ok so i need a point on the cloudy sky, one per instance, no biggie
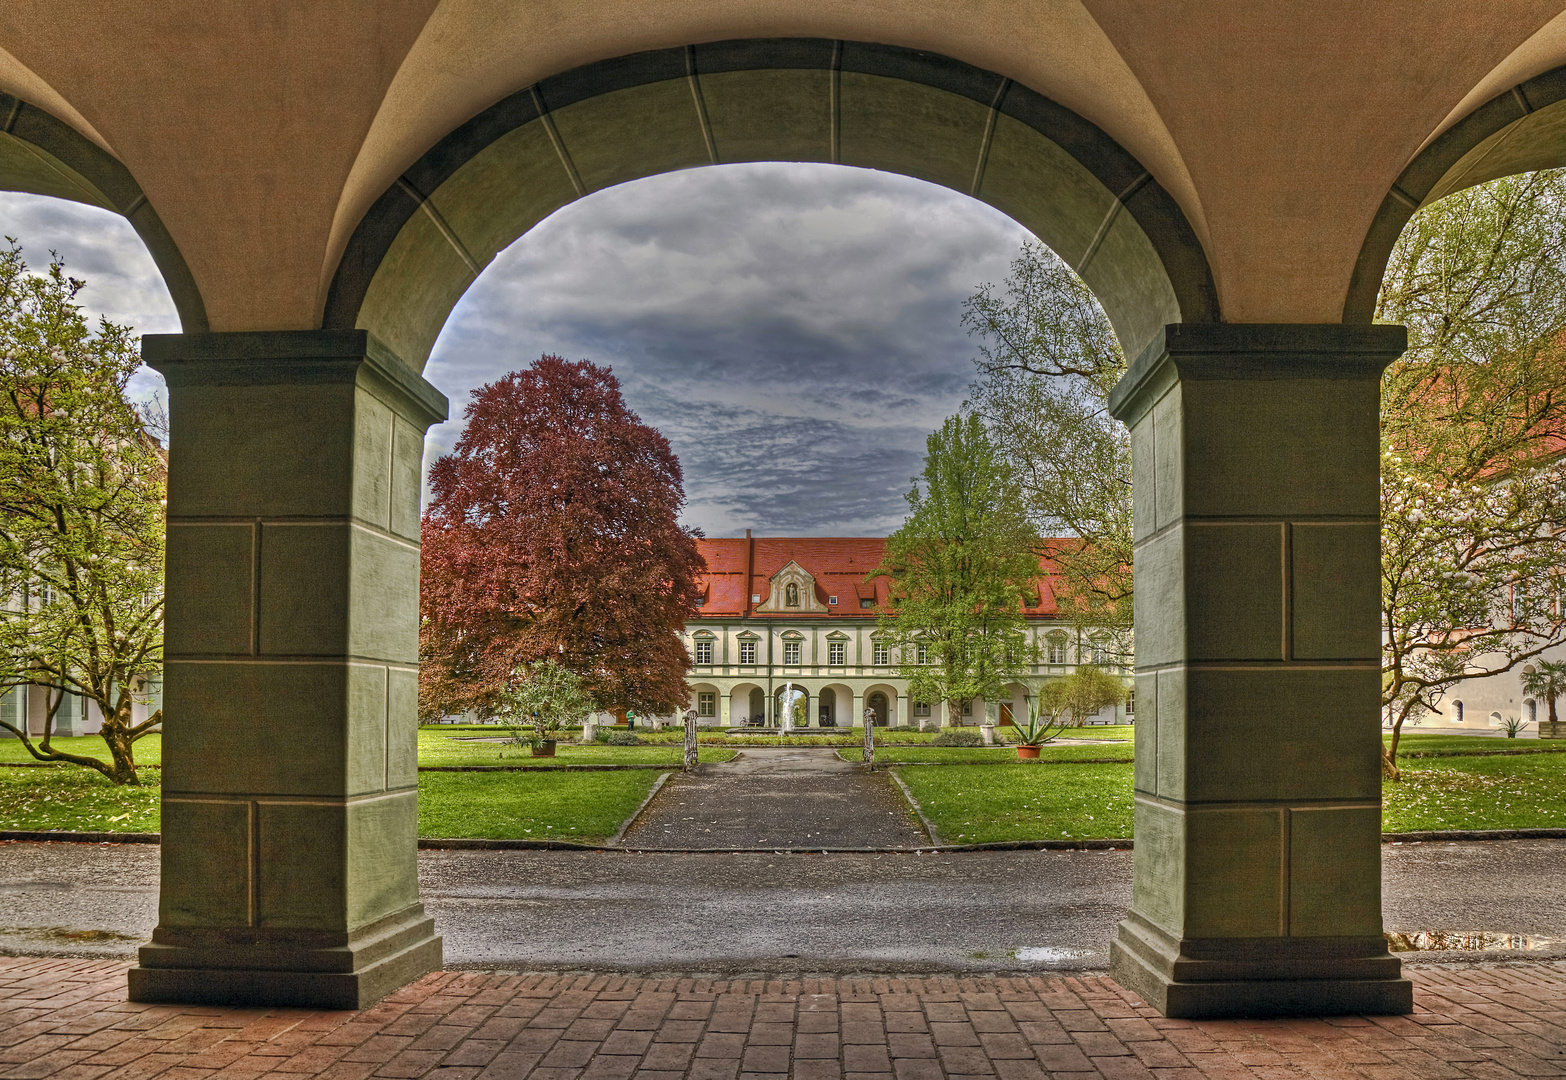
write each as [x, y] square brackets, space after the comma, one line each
[792, 329]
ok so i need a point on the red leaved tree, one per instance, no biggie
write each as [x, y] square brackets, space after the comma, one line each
[553, 533]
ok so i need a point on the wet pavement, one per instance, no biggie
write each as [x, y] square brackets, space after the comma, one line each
[727, 914]
[791, 797]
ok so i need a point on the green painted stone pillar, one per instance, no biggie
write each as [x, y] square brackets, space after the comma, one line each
[290, 748]
[1258, 791]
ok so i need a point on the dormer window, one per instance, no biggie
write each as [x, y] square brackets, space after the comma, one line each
[832, 600]
[791, 595]
[865, 603]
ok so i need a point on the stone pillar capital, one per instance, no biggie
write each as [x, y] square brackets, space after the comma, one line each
[1270, 351]
[295, 357]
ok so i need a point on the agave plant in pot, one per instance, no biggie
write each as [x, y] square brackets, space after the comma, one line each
[1066, 703]
[541, 699]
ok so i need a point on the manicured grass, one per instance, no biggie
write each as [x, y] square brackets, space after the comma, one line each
[585, 807]
[1416, 743]
[77, 800]
[441, 749]
[1524, 792]
[995, 755]
[149, 748]
[977, 804]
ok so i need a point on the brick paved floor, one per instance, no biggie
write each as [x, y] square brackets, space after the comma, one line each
[69, 1019]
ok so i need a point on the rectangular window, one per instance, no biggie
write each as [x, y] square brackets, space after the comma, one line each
[13, 707]
[837, 653]
[706, 703]
[791, 653]
[923, 654]
[704, 652]
[865, 603]
[921, 708]
[880, 655]
[967, 707]
[748, 653]
[1057, 650]
[1130, 702]
[832, 600]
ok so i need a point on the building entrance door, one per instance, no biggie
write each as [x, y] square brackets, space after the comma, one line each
[876, 703]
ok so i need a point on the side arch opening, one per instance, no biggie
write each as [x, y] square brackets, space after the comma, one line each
[41, 155]
[1521, 130]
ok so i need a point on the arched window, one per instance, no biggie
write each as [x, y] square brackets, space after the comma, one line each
[1457, 712]
[1532, 708]
[791, 595]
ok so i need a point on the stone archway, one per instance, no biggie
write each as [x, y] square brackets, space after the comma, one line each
[432, 232]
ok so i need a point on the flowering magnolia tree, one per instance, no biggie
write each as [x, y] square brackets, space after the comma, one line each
[1470, 583]
[553, 534]
[1473, 495]
[81, 517]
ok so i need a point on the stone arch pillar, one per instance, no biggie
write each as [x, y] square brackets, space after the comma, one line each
[290, 786]
[1258, 790]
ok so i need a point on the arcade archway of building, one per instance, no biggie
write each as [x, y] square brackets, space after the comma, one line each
[291, 879]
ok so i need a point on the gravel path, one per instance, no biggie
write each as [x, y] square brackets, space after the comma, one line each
[791, 797]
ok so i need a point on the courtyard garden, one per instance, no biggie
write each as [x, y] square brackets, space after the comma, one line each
[970, 794]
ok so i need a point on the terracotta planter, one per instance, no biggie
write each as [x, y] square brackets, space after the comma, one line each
[1027, 753]
[544, 749]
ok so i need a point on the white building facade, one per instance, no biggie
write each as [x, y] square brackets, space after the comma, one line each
[784, 617]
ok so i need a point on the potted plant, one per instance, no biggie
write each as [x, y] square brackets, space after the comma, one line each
[1066, 703]
[540, 700]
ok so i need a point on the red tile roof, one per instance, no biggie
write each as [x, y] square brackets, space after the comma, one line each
[839, 565]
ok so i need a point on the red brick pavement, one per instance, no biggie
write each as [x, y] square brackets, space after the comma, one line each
[70, 1019]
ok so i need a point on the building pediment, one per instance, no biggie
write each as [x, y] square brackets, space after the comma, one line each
[793, 592]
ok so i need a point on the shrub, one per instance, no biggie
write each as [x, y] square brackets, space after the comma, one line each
[960, 737]
[619, 738]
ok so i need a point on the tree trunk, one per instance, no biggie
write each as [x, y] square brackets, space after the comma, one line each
[1389, 769]
[1552, 708]
[117, 735]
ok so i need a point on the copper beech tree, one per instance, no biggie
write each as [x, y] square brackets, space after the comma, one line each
[553, 533]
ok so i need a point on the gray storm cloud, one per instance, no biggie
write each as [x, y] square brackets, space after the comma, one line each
[793, 329]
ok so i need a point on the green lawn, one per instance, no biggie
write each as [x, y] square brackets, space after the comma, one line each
[1416, 743]
[1525, 792]
[975, 755]
[439, 748]
[77, 800]
[149, 749]
[982, 795]
[977, 804]
[586, 807]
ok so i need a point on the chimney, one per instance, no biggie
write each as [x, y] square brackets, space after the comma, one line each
[750, 569]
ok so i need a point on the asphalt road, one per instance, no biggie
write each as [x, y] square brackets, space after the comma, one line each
[728, 914]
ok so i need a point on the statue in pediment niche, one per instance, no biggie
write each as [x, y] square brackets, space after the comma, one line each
[791, 595]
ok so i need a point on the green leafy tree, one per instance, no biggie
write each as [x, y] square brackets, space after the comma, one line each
[1546, 680]
[540, 700]
[1061, 704]
[958, 570]
[1473, 419]
[81, 515]
[1048, 358]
